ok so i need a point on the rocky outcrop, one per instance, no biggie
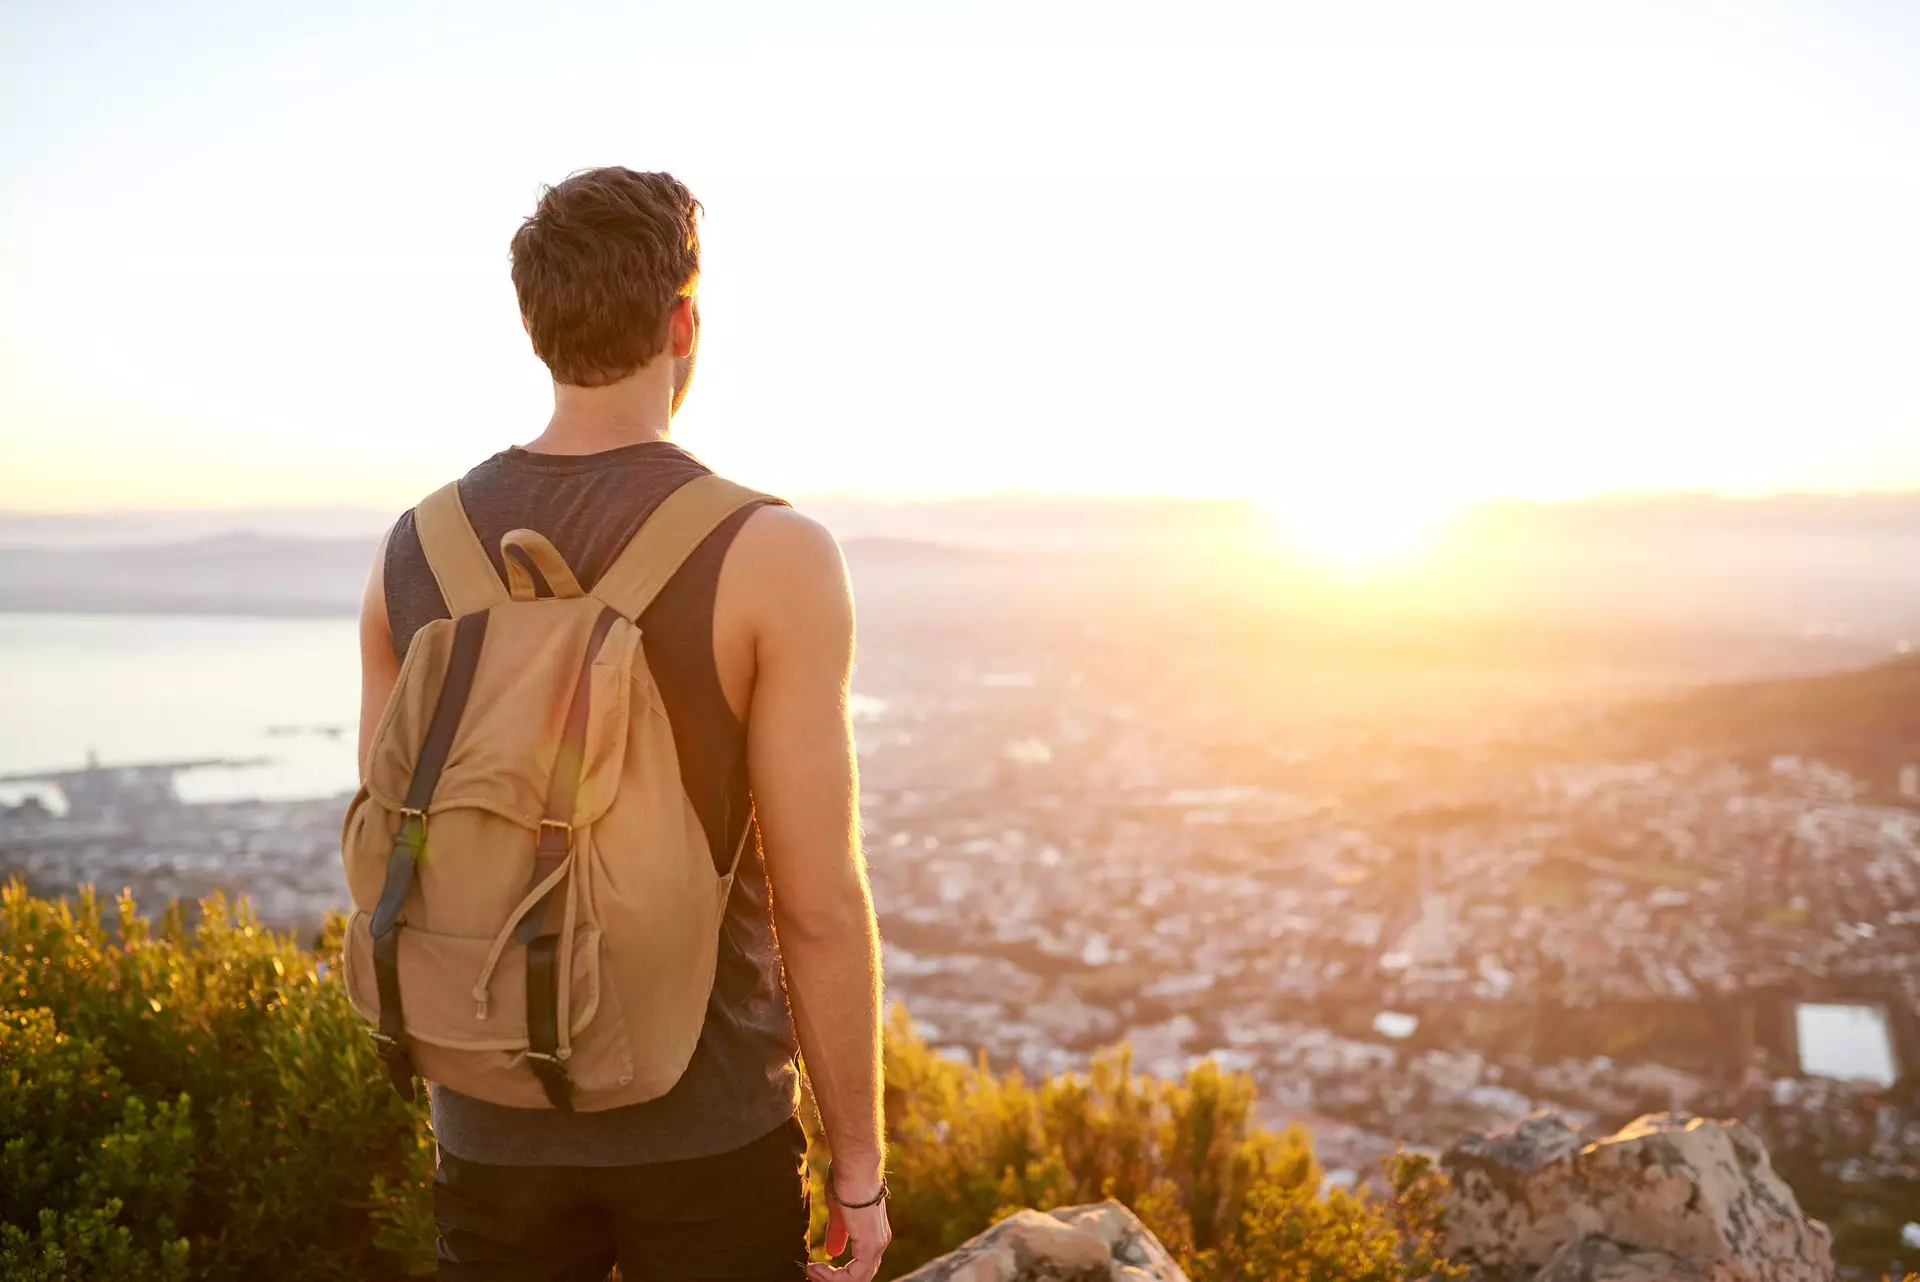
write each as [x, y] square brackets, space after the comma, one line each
[1098, 1243]
[1670, 1196]
[1600, 1259]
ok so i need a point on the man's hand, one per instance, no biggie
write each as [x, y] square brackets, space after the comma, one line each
[866, 1228]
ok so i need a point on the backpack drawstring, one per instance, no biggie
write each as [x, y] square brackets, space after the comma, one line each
[525, 906]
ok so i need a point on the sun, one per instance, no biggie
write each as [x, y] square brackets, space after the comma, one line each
[1358, 532]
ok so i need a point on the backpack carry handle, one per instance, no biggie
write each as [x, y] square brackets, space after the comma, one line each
[523, 552]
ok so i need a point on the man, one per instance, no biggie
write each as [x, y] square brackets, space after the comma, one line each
[751, 644]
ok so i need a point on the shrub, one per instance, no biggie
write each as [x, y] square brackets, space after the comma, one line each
[187, 1102]
[1229, 1200]
[202, 1102]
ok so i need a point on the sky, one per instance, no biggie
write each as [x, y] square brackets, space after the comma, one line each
[1357, 256]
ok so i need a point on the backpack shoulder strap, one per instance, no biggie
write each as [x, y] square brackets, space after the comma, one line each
[668, 537]
[454, 554]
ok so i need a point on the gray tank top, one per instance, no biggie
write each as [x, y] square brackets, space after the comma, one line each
[742, 1081]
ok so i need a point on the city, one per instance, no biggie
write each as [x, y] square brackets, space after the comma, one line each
[1409, 898]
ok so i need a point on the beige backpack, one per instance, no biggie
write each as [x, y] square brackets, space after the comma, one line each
[538, 911]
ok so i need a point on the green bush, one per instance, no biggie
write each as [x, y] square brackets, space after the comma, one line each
[189, 1103]
[968, 1148]
[202, 1102]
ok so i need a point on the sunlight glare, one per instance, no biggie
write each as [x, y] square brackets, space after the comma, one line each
[1355, 531]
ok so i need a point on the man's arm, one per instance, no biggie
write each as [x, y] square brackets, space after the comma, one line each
[806, 791]
[379, 669]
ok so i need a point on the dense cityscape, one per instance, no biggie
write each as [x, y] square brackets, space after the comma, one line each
[1408, 899]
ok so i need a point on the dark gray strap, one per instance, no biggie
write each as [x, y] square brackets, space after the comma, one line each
[543, 1021]
[410, 843]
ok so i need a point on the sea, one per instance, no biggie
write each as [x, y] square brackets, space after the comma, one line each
[122, 689]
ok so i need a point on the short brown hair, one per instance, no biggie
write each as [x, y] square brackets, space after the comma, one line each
[599, 264]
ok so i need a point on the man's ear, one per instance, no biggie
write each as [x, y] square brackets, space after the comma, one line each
[683, 326]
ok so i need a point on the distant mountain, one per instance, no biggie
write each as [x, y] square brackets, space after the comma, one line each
[137, 528]
[1683, 514]
[879, 549]
[251, 574]
[1029, 521]
[1866, 721]
[224, 574]
[1789, 567]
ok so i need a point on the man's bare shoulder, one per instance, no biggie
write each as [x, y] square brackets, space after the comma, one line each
[785, 560]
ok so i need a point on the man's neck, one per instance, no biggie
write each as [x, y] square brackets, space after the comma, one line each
[591, 420]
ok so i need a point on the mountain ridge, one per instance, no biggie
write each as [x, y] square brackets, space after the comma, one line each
[1864, 720]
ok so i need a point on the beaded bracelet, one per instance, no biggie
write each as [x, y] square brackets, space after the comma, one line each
[833, 1192]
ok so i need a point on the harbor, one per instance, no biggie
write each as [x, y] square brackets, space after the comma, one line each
[125, 826]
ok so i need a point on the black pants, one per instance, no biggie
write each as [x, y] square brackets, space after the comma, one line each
[739, 1215]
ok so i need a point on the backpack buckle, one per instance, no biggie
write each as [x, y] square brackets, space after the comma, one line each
[409, 817]
[394, 1053]
[551, 1069]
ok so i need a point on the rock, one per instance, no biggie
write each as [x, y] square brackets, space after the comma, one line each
[1136, 1253]
[1098, 1243]
[1535, 1141]
[1517, 1197]
[1600, 1259]
[1670, 1196]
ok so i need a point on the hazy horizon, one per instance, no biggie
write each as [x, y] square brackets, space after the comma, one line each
[1023, 493]
[1013, 494]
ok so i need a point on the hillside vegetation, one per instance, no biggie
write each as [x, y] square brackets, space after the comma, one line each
[1866, 721]
[201, 1102]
